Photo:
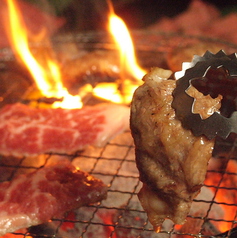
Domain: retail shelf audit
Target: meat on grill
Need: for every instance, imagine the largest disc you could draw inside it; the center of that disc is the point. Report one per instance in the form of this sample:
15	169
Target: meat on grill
30	131
46	193
172	162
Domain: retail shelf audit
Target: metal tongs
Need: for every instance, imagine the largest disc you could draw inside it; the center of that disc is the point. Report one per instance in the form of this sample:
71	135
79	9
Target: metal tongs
211	74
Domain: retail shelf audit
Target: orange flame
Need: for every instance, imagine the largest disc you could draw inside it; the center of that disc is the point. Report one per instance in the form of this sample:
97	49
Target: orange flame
128	64
46	72
47	76
123	39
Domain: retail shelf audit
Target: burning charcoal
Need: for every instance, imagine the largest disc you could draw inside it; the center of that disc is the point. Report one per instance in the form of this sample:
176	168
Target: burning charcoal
230	234
133	217
198	210
127	219
91	221
130	217
222	172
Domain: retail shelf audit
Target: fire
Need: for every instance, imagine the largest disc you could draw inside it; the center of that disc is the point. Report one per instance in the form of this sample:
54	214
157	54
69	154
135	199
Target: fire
128	64
46	74
123	39
111	91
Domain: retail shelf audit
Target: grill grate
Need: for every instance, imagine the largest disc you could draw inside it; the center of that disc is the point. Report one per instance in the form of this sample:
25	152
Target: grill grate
121	214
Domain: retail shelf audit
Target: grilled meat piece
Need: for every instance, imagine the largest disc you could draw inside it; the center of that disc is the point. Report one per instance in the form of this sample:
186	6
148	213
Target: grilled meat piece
172	162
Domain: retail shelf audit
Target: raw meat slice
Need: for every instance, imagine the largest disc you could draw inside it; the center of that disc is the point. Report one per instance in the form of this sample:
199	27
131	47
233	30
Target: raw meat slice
47	193
172	162
30	131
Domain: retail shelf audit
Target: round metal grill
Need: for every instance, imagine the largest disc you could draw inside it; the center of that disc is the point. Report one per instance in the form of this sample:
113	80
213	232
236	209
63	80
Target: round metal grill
213	214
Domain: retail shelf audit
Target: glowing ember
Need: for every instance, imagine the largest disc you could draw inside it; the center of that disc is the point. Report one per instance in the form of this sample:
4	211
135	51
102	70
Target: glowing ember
225	193
47	76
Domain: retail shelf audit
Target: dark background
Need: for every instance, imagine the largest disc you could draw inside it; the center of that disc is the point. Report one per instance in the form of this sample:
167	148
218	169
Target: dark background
86	15
147	12
90	14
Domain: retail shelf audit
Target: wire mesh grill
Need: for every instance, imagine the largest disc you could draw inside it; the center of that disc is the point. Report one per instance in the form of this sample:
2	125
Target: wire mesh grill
121	214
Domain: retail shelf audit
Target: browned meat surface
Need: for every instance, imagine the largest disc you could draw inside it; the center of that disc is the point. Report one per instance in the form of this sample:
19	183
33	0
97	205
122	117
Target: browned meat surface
172	162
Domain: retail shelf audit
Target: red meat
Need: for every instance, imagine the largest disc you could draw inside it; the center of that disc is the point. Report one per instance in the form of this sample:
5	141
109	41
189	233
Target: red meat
49	192
30	131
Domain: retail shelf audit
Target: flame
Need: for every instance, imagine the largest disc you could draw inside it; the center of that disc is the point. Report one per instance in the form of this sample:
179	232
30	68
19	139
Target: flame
111	92
128	64
123	39
46	74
